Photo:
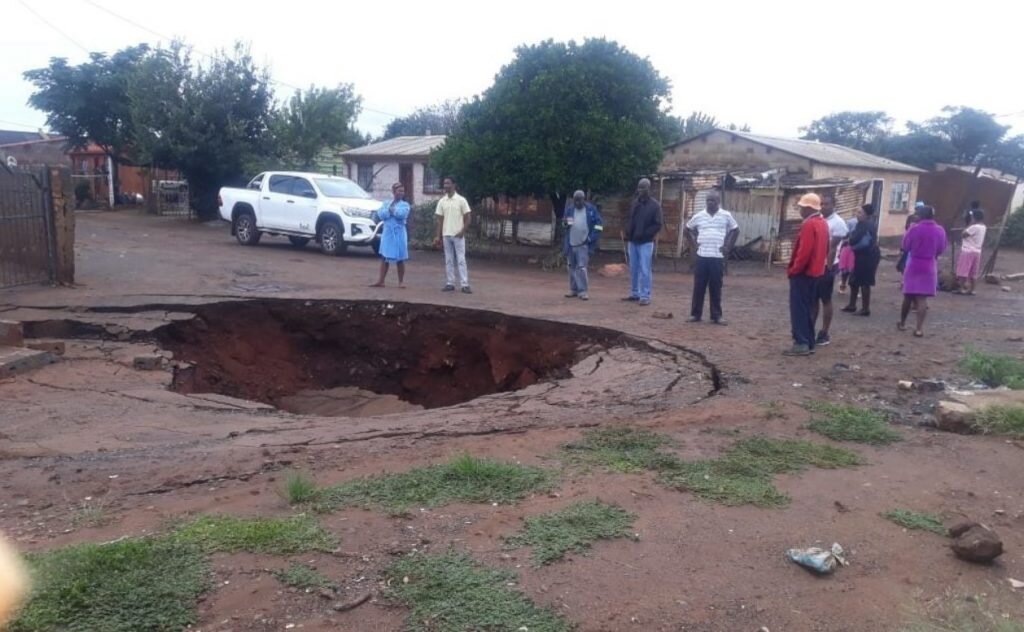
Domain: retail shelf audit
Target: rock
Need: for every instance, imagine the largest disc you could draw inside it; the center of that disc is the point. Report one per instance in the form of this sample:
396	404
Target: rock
991	279
930	386
54	347
977	544
612	270
326	593
148	362
961	528
1015	339
1005	288
11	333
1018	276
344	606
662	315
905	385
954	417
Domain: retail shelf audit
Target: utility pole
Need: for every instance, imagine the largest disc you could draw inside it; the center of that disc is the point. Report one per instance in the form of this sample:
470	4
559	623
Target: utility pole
110	181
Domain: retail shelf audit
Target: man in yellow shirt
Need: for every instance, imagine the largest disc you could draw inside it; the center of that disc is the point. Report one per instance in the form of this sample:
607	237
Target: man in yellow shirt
453	214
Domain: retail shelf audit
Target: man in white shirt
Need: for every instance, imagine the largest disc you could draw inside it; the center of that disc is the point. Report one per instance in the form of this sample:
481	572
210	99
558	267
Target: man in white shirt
453	214
712	232
837	231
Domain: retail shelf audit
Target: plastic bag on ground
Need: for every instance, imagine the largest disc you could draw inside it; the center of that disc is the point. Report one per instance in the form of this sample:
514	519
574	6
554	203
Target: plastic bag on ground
821	561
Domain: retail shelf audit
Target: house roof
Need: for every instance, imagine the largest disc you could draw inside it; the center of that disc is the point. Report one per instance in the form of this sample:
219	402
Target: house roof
9	136
35	141
824	153
412	146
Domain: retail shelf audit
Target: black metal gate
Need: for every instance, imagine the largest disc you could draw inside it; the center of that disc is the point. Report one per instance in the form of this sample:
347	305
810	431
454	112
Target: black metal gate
27	245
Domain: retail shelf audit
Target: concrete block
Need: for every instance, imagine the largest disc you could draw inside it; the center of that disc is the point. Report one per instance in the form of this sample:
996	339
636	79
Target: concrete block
17	360
56	347
954	417
149	362
11	333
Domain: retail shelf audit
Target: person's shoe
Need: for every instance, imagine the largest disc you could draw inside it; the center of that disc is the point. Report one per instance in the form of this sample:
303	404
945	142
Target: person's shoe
571	295
448	288
631	299
693	319
864	312
583	297
822	339
720	321
798	350
849	309
644	302
466	289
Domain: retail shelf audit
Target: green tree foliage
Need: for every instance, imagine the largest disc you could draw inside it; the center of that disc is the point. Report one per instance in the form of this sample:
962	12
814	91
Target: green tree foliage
441	118
316	119
674	128
918	148
866	131
559	117
974	134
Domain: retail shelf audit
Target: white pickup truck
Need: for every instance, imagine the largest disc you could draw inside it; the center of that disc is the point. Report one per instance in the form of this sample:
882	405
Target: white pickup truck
334	211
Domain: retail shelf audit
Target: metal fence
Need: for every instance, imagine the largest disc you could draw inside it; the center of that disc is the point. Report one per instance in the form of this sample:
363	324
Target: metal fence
172	198
27	243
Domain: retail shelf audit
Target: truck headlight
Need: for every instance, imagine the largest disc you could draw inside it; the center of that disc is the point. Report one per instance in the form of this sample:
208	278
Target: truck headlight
358	212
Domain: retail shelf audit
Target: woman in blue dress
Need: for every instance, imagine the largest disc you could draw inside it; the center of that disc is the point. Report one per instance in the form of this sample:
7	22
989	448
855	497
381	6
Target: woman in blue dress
394	240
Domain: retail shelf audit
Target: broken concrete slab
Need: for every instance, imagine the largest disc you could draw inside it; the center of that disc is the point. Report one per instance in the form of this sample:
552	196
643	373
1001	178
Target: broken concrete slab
12	334
18	360
1018	276
241	404
56	347
958	413
153	362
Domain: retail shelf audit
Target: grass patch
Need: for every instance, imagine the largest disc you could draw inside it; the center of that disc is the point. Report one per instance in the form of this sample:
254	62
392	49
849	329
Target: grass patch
994	369
917	521
621	449
299	488
454	592
957	613
574	528
850	423
774	410
276	536
743	475
463	479
303	577
1001	420
91	513
130	585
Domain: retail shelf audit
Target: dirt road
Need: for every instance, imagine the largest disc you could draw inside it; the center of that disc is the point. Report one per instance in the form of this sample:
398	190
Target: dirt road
92	427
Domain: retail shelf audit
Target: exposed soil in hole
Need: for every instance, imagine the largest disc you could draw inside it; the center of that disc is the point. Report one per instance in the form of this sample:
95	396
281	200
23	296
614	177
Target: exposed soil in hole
430	356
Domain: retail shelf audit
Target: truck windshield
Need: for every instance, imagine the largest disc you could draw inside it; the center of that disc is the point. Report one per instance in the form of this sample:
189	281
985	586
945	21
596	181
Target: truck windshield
341	188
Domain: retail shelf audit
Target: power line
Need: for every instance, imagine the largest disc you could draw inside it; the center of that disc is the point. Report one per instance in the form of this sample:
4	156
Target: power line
34	127
53	26
205	54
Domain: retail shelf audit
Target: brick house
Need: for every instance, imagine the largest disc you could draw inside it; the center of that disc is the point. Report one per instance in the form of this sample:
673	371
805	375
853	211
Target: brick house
404	159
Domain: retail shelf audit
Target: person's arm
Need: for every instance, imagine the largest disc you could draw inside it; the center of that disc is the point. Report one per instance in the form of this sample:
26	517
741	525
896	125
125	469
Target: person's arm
466	212
730	241
401	210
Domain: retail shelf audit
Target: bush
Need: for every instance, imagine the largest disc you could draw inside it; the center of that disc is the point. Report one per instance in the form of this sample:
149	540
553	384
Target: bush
1013	236
422	224
83	193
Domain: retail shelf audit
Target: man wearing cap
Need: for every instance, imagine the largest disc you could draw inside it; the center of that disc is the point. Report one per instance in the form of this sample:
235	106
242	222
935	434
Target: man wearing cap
806	267
712	233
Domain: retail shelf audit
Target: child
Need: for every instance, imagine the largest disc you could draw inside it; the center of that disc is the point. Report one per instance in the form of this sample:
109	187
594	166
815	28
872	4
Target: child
846	257
968	266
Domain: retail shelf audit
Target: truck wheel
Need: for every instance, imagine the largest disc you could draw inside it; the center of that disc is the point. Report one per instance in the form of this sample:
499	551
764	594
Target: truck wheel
332	238
245	229
299	242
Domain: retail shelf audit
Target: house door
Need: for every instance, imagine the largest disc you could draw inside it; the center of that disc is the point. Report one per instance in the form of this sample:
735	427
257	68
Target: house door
405	177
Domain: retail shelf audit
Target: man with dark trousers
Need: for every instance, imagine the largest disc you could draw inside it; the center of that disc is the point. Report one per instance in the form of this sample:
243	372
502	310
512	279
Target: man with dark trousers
712	234
806	267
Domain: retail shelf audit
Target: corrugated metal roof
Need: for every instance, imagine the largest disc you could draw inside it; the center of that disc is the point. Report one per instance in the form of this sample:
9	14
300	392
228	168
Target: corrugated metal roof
825	153
398	146
9	137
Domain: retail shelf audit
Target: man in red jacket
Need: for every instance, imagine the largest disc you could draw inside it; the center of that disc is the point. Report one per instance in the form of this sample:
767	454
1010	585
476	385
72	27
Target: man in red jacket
806	266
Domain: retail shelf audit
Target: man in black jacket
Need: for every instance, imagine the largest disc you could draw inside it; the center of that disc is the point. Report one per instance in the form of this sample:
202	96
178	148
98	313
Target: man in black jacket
641	227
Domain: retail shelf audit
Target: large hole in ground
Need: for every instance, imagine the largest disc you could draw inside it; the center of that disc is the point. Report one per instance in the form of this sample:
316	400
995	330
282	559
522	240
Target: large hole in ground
367	358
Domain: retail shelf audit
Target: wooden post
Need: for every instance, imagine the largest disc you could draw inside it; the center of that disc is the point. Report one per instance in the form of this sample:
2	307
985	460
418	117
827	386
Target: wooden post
990	265
773	232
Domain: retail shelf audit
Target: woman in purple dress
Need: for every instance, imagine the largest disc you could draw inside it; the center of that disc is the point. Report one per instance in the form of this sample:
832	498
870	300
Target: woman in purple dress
923	243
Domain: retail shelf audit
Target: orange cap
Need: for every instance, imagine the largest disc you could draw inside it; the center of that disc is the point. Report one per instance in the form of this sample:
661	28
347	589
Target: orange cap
812	200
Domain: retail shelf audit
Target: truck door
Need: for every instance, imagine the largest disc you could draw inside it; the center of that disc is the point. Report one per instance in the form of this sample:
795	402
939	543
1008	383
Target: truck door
274	202
302	207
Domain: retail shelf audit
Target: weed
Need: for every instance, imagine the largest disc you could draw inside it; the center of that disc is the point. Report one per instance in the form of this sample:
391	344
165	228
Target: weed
1001	420
299	488
994	369
779	456
914	520
463	479
621	449
957	613
303	577
454	592
129	585
278	536
574	528
726	481
90	513
850	423
774	410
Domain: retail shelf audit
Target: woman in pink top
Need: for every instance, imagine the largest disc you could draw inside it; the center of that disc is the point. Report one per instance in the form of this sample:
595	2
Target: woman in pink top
968	266
923	243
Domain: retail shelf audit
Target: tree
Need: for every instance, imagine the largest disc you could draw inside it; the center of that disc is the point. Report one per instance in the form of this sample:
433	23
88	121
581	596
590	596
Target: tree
973	134
675	129
918	148
441	118
560	117
314	120
867	131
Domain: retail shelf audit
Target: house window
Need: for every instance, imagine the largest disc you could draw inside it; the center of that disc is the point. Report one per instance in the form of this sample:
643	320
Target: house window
364	175
899	199
431	181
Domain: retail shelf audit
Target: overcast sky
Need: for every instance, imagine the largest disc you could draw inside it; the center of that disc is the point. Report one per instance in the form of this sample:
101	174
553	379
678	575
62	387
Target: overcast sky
773	65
